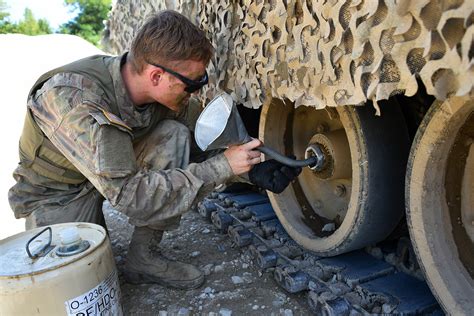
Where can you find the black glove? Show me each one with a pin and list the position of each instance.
(272, 175)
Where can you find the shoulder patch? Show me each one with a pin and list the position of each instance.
(104, 117)
(114, 119)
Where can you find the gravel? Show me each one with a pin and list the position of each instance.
(234, 285)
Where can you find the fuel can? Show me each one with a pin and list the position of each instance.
(62, 269)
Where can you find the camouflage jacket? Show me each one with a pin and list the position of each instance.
(74, 127)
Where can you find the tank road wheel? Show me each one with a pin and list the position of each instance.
(357, 198)
(440, 202)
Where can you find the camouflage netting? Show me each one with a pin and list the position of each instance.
(323, 52)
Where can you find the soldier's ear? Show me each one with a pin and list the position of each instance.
(155, 76)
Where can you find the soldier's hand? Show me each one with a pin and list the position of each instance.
(242, 158)
(273, 176)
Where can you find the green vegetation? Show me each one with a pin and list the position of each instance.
(3, 9)
(88, 23)
(28, 25)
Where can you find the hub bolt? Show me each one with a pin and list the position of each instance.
(318, 204)
(321, 128)
(340, 190)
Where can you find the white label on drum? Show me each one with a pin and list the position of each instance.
(104, 299)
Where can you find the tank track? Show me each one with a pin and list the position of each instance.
(382, 279)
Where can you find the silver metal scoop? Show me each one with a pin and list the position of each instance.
(220, 126)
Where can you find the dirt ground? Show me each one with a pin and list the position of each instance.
(234, 285)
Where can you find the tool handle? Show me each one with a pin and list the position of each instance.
(286, 160)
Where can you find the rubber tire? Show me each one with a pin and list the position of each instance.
(379, 147)
(429, 215)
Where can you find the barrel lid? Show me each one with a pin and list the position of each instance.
(15, 261)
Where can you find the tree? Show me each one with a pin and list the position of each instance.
(3, 11)
(89, 22)
(5, 24)
(28, 25)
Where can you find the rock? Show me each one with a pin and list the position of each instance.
(154, 290)
(183, 311)
(225, 312)
(247, 277)
(195, 253)
(207, 269)
(329, 227)
(206, 231)
(387, 308)
(237, 280)
(376, 310)
(278, 303)
(209, 290)
(392, 258)
(162, 313)
(287, 312)
(279, 300)
(339, 288)
(255, 307)
(218, 268)
(327, 295)
(376, 252)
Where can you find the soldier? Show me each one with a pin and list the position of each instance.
(120, 128)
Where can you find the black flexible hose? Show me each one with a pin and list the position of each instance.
(286, 160)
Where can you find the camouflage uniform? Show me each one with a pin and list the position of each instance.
(150, 178)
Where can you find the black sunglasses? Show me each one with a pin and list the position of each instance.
(191, 85)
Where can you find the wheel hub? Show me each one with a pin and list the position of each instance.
(314, 150)
(332, 150)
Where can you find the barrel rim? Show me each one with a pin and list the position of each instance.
(63, 263)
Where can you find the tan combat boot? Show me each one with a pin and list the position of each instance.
(145, 263)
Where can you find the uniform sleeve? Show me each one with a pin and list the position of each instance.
(103, 152)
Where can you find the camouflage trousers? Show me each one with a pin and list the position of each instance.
(167, 147)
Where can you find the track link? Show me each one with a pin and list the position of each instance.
(383, 279)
